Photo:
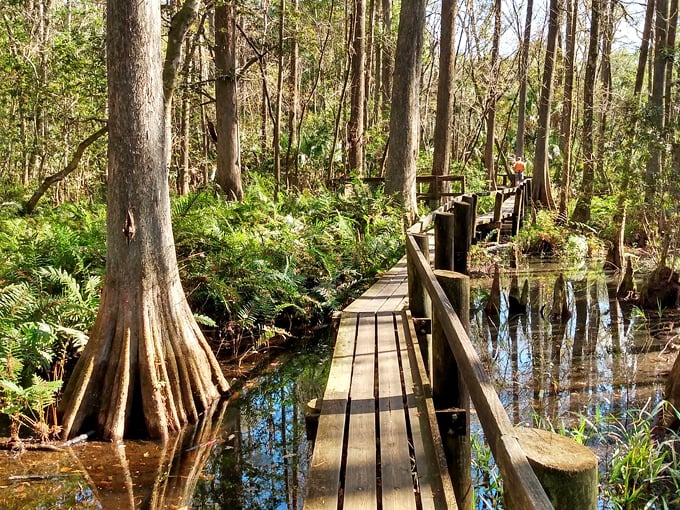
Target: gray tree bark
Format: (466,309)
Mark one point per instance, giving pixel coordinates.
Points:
(541,190)
(228,175)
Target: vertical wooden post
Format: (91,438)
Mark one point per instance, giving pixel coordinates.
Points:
(448,389)
(517,212)
(472,200)
(418,298)
(461,237)
(444,225)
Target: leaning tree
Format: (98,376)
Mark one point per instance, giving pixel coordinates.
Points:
(147,369)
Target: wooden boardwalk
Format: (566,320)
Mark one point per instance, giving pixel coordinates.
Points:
(377,444)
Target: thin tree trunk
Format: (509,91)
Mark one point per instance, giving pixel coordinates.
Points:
(489,160)
(179,27)
(644,48)
(387,54)
(657,102)
(441,159)
(358,89)
(523,70)
(293,97)
(582,210)
(228,176)
(279,98)
(541,191)
(567,115)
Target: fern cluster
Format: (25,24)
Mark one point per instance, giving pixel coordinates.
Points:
(251,270)
(263,265)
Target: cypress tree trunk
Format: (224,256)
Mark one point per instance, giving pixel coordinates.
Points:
(147,363)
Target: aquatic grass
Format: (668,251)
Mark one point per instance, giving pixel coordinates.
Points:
(638,461)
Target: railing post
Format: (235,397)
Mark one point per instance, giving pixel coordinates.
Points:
(418,298)
(461,236)
(449,392)
(567,470)
(444,226)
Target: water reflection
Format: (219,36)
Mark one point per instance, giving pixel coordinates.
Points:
(264,465)
(250,452)
(606,357)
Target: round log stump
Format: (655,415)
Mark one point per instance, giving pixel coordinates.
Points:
(566,469)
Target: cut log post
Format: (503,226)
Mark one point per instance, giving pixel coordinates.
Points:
(420,303)
(566,469)
(472,200)
(444,225)
(449,393)
(418,298)
(312,414)
(517,211)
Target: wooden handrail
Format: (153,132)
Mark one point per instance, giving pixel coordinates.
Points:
(527,491)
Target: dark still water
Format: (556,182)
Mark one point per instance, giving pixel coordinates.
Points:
(250,452)
(607,357)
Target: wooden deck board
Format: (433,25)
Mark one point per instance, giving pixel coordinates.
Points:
(373,430)
(395,458)
(323,484)
(360,474)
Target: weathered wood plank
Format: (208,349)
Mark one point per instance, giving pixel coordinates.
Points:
(360,474)
(323,484)
(436,488)
(395,459)
(385,287)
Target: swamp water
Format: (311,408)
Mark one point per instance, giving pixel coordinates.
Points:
(252,453)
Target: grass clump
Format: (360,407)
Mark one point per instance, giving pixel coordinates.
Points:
(638,461)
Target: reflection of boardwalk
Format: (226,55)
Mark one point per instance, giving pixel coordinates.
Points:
(377,444)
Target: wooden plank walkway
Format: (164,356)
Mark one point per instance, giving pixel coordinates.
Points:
(377,444)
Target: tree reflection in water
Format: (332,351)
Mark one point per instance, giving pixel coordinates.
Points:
(605,358)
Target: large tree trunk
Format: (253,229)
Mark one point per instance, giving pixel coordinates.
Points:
(524,65)
(228,175)
(147,369)
(441,158)
(400,171)
(358,89)
(541,191)
(582,209)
